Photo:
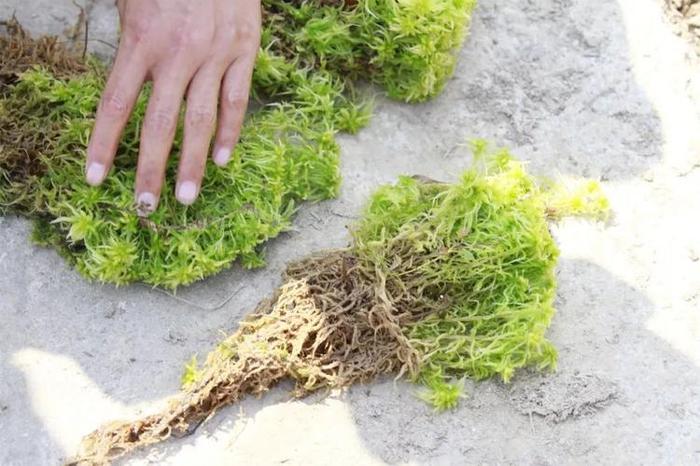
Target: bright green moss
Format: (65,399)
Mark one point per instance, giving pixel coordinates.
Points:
(441,282)
(413,43)
(583,199)
(287,153)
(482,246)
(406,46)
(442,395)
(311,52)
(480,254)
(191,373)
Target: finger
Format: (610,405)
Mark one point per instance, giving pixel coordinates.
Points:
(199,126)
(157,135)
(235,89)
(118,99)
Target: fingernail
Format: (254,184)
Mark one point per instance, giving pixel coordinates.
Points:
(186,192)
(221,156)
(145,204)
(95,173)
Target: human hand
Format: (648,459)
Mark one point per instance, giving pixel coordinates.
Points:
(203,51)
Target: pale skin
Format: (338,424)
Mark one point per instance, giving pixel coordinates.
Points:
(200,51)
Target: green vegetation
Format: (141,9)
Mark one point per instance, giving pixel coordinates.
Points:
(441,282)
(405,46)
(287,153)
(478,259)
(311,54)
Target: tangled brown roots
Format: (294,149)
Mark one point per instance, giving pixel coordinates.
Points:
(20,52)
(331,324)
(24,140)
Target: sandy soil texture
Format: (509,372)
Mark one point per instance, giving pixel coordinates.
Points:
(597,88)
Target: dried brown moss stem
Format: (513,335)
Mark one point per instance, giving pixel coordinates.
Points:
(330,325)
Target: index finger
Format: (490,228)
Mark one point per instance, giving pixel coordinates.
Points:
(117,102)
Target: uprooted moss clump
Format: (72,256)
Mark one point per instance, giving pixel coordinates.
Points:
(441,281)
(311,53)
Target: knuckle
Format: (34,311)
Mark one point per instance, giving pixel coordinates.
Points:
(160,121)
(200,116)
(189,39)
(181,41)
(136,28)
(222,54)
(244,32)
(113,104)
(237,100)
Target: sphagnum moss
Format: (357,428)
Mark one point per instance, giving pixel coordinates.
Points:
(441,282)
(287,153)
(311,52)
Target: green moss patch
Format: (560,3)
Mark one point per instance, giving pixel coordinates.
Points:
(441,282)
(311,54)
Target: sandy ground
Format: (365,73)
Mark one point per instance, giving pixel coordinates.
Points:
(597,88)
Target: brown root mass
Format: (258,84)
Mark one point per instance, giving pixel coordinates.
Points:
(331,324)
(23,141)
(20,52)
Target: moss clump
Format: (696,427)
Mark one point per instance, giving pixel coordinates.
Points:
(406,46)
(441,282)
(480,255)
(287,153)
(311,53)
